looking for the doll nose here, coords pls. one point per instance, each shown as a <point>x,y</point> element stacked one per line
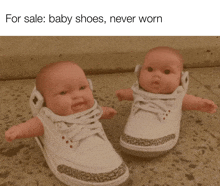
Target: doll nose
<point>157,74</point>
<point>75,94</point>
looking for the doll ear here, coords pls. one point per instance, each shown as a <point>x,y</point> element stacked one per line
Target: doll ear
<point>185,80</point>
<point>36,101</point>
<point>90,84</point>
<point>137,70</point>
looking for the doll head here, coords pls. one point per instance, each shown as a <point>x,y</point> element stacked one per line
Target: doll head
<point>65,88</point>
<point>161,71</point>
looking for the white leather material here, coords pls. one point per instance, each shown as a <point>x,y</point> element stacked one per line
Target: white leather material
<point>36,101</point>
<point>137,70</point>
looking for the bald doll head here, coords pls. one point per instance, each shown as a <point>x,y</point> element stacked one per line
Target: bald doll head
<point>161,71</point>
<point>65,88</point>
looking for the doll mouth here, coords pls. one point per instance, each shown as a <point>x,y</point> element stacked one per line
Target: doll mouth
<point>77,105</point>
<point>155,83</point>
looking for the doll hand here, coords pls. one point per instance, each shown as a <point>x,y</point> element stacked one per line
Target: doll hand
<point>119,94</point>
<point>125,94</point>
<point>108,113</point>
<point>208,106</point>
<point>11,134</point>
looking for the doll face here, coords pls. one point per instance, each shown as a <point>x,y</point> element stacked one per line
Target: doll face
<point>66,90</point>
<point>161,72</point>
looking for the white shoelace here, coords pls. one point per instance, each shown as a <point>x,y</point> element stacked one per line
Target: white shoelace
<point>154,106</point>
<point>78,126</point>
<point>157,104</point>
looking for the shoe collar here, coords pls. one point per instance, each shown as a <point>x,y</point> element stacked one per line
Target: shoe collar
<point>75,118</point>
<point>143,93</point>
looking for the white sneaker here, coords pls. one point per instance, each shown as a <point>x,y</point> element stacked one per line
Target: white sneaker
<point>154,122</point>
<point>77,150</point>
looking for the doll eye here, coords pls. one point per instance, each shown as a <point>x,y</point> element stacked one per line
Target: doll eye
<point>63,92</point>
<point>82,87</point>
<point>167,71</point>
<point>149,69</point>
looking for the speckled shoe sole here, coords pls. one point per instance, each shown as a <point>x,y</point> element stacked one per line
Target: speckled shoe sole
<point>147,148</point>
<point>144,154</point>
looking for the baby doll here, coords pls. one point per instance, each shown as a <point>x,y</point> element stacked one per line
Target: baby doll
<point>66,127</point>
<point>159,96</point>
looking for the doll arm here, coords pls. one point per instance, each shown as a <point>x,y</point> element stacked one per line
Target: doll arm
<point>125,94</point>
<point>30,128</point>
<point>108,113</point>
<point>191,102</point>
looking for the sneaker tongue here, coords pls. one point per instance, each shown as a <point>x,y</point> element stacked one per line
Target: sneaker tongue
<point>75,118</point>
<point>141,92</point>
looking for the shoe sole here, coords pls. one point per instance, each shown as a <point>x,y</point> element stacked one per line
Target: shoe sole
<point>70,181</point>
<point>146,152</point>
